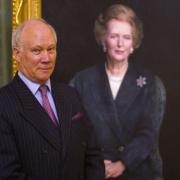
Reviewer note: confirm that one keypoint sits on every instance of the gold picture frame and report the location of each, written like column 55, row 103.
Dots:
column 21, row 11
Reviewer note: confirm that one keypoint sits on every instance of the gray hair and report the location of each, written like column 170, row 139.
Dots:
column 16, row 35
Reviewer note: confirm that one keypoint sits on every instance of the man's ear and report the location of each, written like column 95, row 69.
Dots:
column 16, row 54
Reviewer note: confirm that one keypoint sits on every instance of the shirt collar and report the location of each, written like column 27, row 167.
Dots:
column 33, row 87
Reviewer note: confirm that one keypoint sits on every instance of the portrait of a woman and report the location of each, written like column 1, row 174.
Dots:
column 121, row 98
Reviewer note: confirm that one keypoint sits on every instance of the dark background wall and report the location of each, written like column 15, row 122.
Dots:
column 160, row 52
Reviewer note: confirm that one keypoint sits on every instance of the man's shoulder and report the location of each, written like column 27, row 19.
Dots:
column 65, row 90
column 68, row 95
column 6, row 90
column 90, row 73
column 7, row 98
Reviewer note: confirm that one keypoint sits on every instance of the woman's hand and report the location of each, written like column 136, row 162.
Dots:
column 113, row 169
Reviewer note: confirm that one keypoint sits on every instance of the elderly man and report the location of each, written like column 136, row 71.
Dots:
column 44, row 132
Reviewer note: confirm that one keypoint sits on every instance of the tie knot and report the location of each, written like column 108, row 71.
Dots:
column 43, row 89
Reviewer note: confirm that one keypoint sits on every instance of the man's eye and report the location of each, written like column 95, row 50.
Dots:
column 51, row 50
column 36, row 51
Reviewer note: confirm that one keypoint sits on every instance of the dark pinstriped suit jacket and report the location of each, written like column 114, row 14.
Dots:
column 33, row 148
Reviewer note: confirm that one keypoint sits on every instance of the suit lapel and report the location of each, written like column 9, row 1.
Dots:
column 127, row 92
column 34, row 113
column 125, row 97
column 64, row 111
column 116, row 109
column 104, row 100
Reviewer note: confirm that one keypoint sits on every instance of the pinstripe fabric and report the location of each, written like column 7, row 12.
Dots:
column 33, row 148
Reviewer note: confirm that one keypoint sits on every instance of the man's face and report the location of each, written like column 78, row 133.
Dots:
column 36, row 54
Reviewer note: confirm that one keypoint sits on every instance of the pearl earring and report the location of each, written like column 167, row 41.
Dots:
column 104, row 47
column 131, row 50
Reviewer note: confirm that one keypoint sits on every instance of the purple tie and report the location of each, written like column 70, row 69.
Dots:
column 46, row 104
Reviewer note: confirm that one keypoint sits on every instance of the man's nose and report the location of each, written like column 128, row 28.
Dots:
column 45, row 56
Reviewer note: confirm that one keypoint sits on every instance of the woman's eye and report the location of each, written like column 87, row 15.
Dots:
column 127, row 37
column 113, row 36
